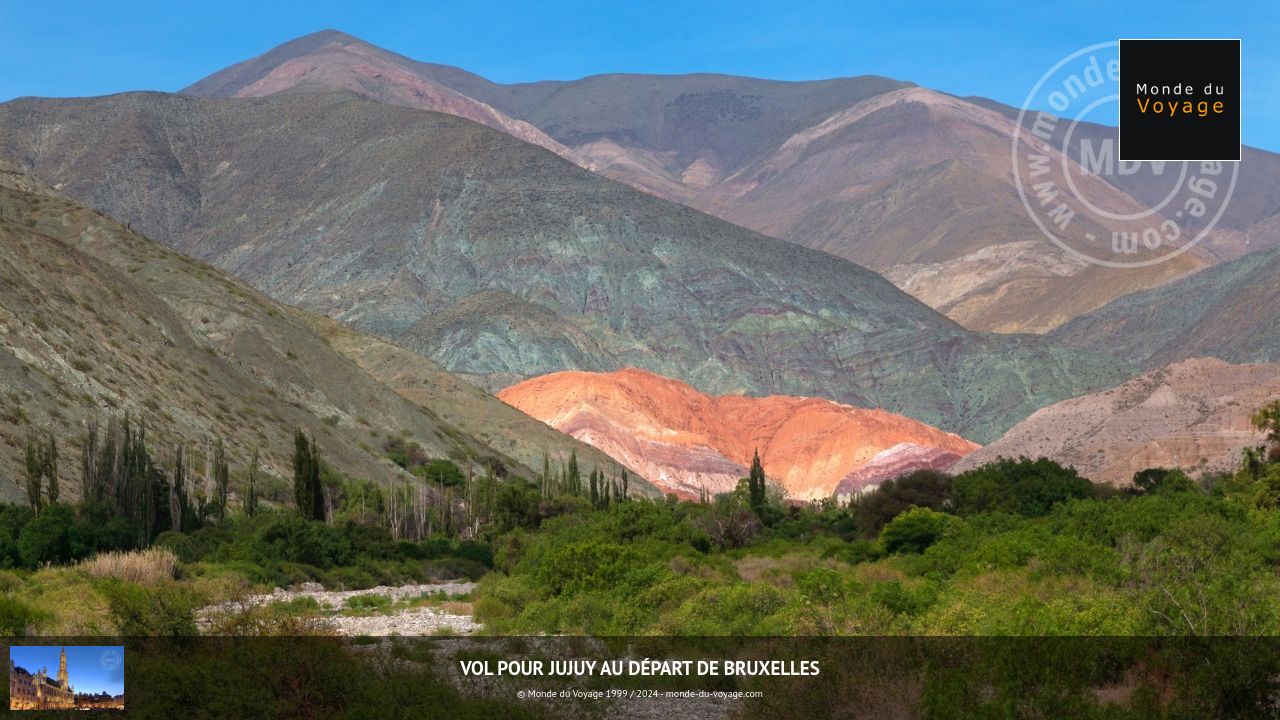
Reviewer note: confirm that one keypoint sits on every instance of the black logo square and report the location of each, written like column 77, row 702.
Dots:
column 1179, row 100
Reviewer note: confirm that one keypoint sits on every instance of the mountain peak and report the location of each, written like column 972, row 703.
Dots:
column 229, row 81
column 333, row 61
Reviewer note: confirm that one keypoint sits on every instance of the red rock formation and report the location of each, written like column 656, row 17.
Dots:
column 898, row 460
column 1193, row 415
column 683, row 440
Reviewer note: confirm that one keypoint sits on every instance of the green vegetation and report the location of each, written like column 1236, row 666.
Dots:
column 373, row 603
column 42, row 470
column 1017, row 547
column 307, row 492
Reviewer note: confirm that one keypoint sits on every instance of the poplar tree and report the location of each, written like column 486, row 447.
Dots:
column 221, row 476
column 41, row 465
column 251, row 486
column 35, row 472
column 308, row 494
column 574, row 477
column 756, row 483
column 177, row 493
column 50, row 467
column 546, row 476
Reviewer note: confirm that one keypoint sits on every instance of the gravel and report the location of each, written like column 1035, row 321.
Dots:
column 412, row 621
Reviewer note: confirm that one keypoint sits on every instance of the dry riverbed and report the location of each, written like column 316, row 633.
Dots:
column 431, row 609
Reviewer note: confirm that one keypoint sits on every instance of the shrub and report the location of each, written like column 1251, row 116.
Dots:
column 453, row 569
column 915, row 530
column 164, row 610
column 728, row 524
column 922, row 488
column 1023, row 487
column 47, row 538
column 738, row 609
column 442, row 471
column 898, row 599
column 372, row 602
column 311, row 542
column 1160, row 480
column 177, row 544
column 18, row 619
column 9, row 581
column 351, row 578
column 288, row 619
column 588, row 566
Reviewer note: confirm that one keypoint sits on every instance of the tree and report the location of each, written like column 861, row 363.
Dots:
column 1267, row 420
column 178, row 493
column 251, row 485
column 35, row 472
column 1159, row 481
column 41, row 465
column 308, row 493
column 221, row 476
column 924, row 488
column 301, row 473
column 756, row 483
column 1022, row 486
column 444, row 472
column 728, row 524
column 574, row 477
column 47, row 538
column 546, row 476
column 915, row 530
column 51, row 468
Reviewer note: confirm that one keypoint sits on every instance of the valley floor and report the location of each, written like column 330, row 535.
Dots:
column 404, row 610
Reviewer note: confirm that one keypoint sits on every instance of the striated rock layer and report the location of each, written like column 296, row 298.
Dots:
column 684, row 441
column 898, row 460
column 908, row 181
column 501, row 262
column 1193, row 415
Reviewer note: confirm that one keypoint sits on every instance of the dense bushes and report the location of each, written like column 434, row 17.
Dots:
column 1031, row 548
column 915, row 530
column 1015, row 547
column 59, row 534
column 282, row 549
column 164, row 610
column 18, row 618
column 1023, row 487
column 922, row 488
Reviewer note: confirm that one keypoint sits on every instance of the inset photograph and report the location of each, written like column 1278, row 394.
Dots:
column 53, row 677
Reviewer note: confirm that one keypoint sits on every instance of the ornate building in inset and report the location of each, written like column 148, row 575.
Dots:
column 38, row 691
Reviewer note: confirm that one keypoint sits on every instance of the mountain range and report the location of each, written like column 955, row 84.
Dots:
column 841, row 256
column 910, row 182
column 1193, row 415
column 1228, row 311
column 501, row 261
column 97, row 321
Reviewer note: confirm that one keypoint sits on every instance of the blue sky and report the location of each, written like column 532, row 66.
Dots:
column 994, row 49
column 85, row 667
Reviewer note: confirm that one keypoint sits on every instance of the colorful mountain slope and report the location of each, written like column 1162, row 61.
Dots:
column 1192, row 415
column 685, row 441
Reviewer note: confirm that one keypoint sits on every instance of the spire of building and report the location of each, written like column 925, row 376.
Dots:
column 63, row 681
